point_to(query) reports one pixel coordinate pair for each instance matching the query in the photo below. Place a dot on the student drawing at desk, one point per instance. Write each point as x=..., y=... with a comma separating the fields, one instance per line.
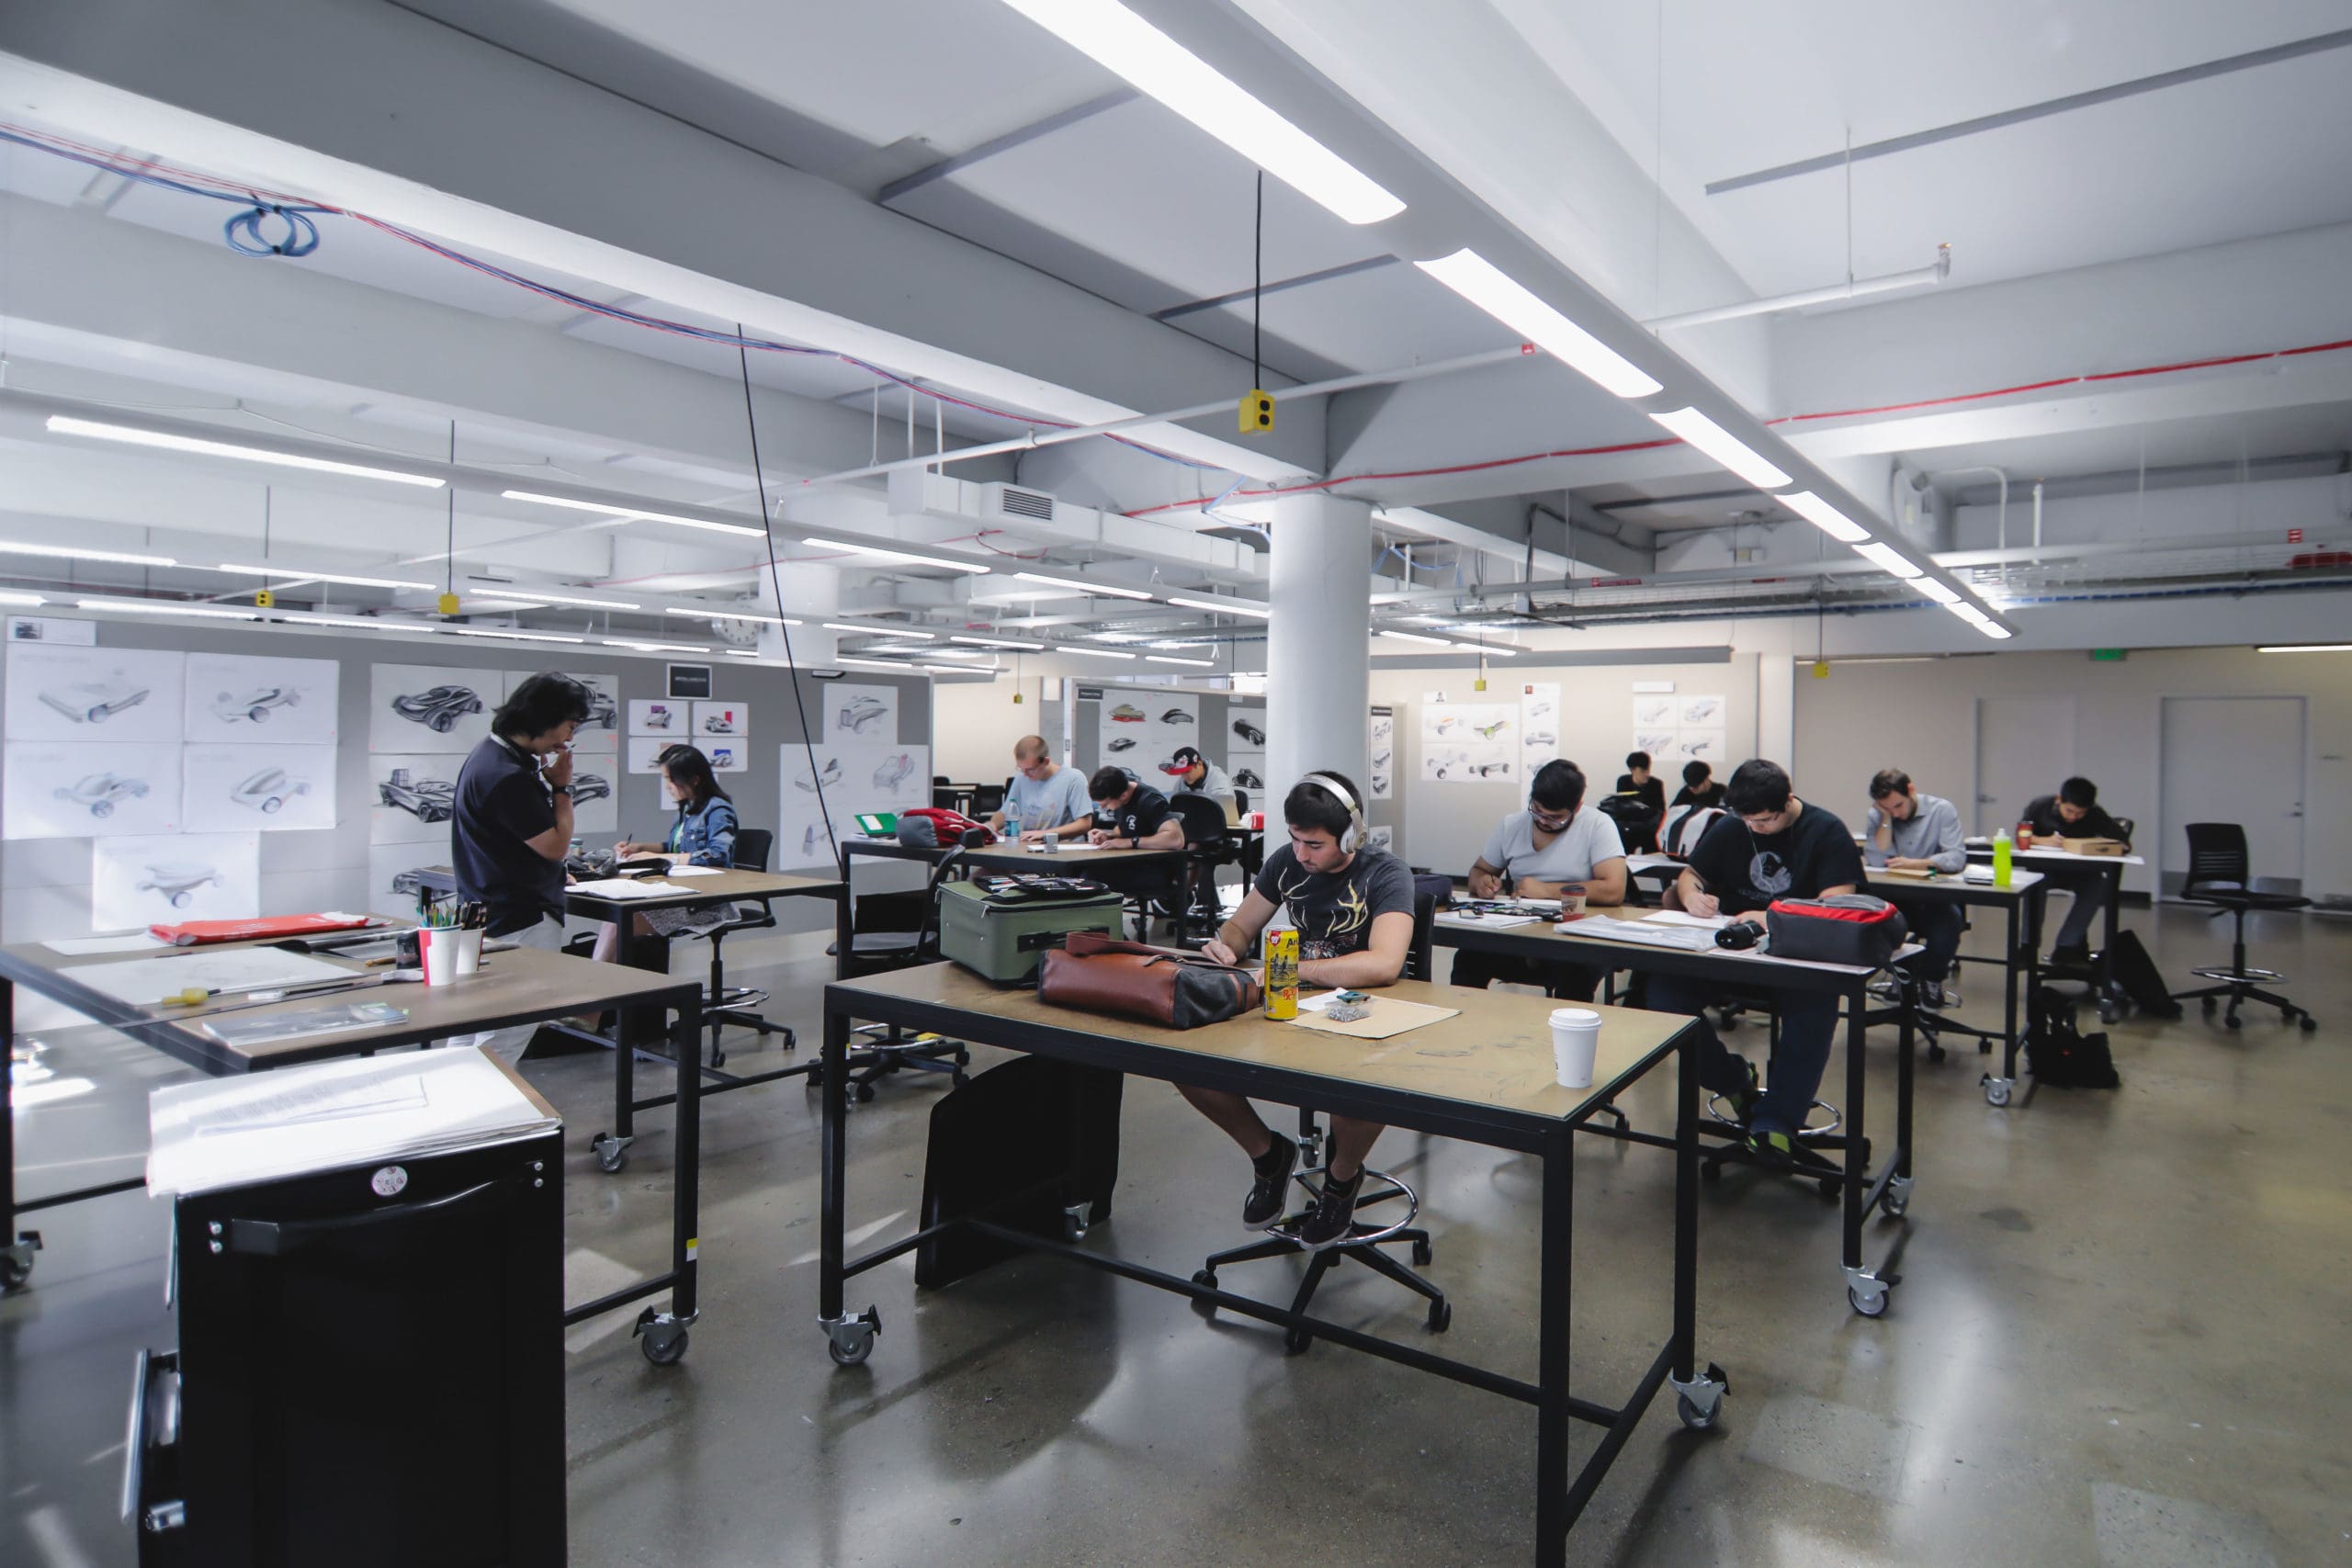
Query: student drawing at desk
x=1353, y=909
x=1909, y=831
x=1558, y=842
x=2074, y=813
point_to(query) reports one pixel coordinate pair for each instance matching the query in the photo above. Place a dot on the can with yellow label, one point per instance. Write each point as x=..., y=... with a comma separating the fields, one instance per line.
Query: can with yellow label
x=1281, y=974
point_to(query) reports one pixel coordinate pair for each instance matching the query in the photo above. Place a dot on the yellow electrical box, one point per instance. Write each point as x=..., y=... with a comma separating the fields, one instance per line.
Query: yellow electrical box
x=264, y=600
x=1257, y=414
x=448, y=604
x=1821, y=670
x=1479, y=684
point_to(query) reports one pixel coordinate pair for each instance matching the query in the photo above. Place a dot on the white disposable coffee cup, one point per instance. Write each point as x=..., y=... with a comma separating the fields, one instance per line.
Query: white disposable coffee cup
x=440, y=944
x=469, y=951
x=1575, y=1035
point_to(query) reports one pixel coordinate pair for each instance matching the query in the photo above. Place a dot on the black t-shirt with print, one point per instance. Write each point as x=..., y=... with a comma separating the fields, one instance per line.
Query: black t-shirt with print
x=1334, y=909
x=1140, y=818
x=1651, y=790
x=1711, y=796
x=1748, y=870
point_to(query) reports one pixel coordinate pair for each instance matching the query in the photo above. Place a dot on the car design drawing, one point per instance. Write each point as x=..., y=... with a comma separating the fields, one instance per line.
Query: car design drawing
x=1176, y=716
x=1539, y=710
x=1121, y=743
x=859, y=713
x=657, y=717
x=809, y=842
x=894, y=771
x=253, y=703
x=590, y=786
x=1380, y=760
x=100, y=791
x=95, y=702
x=1247, y=779
x=1127, y=713
x=1493, y=770
x=439, y=709
x=722, y=757
x=1702, y=710
x=409, y=884
x=1449, y=724
x=1250, y=732
x=1541, y=738
x=428, y=800
x=176, y=881
x=604, y=713
x=719, y=723
x=829, y=774
x=1491, y=730
x=268, y=790
x=1379, y=784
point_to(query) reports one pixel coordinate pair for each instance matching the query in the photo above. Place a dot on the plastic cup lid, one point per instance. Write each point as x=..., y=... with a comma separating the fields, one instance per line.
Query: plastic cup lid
x=1575, y=1017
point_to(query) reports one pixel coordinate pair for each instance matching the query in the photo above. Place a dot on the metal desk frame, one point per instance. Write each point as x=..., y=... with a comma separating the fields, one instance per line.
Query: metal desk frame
x=2020, y=955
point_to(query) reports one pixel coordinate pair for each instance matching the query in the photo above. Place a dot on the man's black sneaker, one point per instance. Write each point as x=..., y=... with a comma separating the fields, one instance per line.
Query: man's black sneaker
x=1937, y=996
x=2076, y=955
x=1267, y=1194
x=1334, y=1211
x=1743, y=1101
x=1775, y=1149
x=1886, y=991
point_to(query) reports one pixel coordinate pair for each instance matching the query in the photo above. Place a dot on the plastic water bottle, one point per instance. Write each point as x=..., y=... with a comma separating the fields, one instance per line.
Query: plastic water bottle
x=2001, y=854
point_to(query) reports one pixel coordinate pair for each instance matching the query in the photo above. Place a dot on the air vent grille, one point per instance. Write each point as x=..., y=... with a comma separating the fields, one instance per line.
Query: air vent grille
x=1031, y=503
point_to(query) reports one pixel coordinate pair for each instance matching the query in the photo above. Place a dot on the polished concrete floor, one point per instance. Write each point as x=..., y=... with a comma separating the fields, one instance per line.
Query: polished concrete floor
x=2121, y=1338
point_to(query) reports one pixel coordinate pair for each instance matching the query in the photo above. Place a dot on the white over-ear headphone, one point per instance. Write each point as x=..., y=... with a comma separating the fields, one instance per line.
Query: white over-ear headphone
x=1354, y=834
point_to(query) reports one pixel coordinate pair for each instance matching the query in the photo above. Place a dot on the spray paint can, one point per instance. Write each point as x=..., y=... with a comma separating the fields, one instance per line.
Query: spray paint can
x=1281, y=974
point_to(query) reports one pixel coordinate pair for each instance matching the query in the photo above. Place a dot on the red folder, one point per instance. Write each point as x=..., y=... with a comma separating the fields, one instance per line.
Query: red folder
x=275, y=928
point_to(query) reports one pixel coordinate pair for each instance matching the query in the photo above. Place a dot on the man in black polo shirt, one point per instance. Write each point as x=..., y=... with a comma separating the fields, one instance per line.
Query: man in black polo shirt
x=511, y=824
x=1130, y=814
x=1772, y=846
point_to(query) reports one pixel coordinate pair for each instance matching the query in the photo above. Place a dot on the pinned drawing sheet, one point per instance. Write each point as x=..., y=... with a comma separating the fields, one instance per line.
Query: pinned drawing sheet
x=145, y=982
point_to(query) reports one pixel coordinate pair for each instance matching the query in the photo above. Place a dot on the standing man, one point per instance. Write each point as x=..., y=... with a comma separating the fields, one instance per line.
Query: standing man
x=2074, y=813
x=1195, y=774
x=1127, y=809
x=1046, y=799
x=1772, y=846
x=511, y=824
x=1551, y=846
x=1353, y=909
x=1909, y=831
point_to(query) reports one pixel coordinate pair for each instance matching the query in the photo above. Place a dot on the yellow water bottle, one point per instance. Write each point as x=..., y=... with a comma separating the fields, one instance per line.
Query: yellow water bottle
x=1281, y=974
x=2001, y=853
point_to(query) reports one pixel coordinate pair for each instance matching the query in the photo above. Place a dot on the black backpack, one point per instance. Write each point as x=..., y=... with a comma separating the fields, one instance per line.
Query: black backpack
x=2061, y=1056
x=1636, y=821
x=2140, y=979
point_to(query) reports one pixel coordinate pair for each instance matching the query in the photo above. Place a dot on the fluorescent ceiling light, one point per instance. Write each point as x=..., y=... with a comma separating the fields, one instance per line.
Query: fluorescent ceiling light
x=1888, y=558
x=1824, y=517
x=324, y=577
x=518, y=637
x=911, y=556
x=1166, y=659
x=1156, y=64
x=156, y=607
x=880, y=631
x=633, y=514
x=1224, y=607
x=948, y=653
x=1969, y=613
x=1493, y=291
x=655, y=647
x=1995, y=630
x=544, y=596
x=134, y=436
x=1091, y=652
x=995, y=642
x=63, y=552
x=361, y=623
x=2306, y=648
x=1486, y=652
x=10, y=598
x=741, y=652
x=955, y=670
x=1415, y=637
x=1937, y=591
x=716, y=614
x=875, y=664
x=1075, y=587
x=1722, y=447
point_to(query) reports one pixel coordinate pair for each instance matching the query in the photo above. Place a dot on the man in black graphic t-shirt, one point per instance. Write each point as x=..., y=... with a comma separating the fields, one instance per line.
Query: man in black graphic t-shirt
x=1130, y=814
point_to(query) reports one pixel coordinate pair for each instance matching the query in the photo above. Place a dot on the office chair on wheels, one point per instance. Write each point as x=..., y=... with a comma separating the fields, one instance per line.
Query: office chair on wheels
x=1364, y=1238
x=2218, y=875
x=870, y=940
x=1208, y=845
x=724, y=1004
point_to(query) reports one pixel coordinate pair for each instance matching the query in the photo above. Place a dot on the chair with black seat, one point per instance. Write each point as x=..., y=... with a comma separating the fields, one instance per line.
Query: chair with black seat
x=1209, y=843
x=2219, y=875
x=988, y=799
x=724, y=1004
x=873, y=939
x=1365, y=1238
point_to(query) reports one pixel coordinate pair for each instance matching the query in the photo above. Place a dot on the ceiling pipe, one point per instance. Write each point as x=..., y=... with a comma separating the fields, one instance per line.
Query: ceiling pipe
x=1852, y=288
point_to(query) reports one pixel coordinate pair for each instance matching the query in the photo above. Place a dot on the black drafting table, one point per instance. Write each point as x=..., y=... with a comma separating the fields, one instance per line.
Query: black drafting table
x=2110, y=874
x=2027, y=890
x=1484, y=1075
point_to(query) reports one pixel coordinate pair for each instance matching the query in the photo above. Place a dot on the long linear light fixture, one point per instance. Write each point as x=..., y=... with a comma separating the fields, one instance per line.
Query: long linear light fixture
x=912, y=558
x=1226, y=607
x=873, y=664
x=66, y=552
x=880, y=631
x=1937, y=591
x=633, y=513
x=131, y=435
x=14, y=598
x=296, y=572
x=1493, y=291
x=1091, y=652
x=1171, y=659
x=359, y=622
x=2305, y=648
x=1086, y=588
x=544, y=596
x=1156, y=64
x=164, y=607
x=1824, y=517
x=1415, y=637
x=716, y=614
x=741, y=652
x=655, y=646
x=998, y=642
x=1724, y=446
x=512, y=636
x=1888, y=559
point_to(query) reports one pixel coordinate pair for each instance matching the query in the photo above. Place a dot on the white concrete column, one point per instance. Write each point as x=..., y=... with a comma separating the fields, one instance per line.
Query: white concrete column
x=811, y=592
x=1318, y=672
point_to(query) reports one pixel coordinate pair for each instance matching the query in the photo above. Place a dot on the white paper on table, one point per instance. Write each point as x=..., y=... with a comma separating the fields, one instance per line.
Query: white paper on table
x=677, y=870
x=81, y=946
x=1318, y=1004
x=1678, y=918
x=621, y=887
x=1487, y=922
x=141, y=981
x=1069, y=846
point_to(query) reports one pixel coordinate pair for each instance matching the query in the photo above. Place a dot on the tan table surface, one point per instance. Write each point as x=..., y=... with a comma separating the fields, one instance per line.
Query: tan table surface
x=1571, y=938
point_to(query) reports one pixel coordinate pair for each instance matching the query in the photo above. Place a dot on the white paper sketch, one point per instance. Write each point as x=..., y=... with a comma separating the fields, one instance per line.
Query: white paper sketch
x=1383, y=837
x=801, y=837
x=665, y=717
x=858, y=713
x=145, y=881
x=118, y=695
x=645, y=750
x=714, y=721
x=1704, y=713
x=1245, y=736
x=728, y=756
x=65, y=791
x=1704, y=746
x=430, y=707
x=1539, y=724
x=595, y=794
x=234, y=698
x=412, y=796
x=1381, y=784
x=1658, y=743
x=246, y=789
x=1174, y=723
x=1654, y=712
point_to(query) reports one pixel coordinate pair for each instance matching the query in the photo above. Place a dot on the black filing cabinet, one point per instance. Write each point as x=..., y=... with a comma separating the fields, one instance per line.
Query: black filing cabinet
x=369, y=1371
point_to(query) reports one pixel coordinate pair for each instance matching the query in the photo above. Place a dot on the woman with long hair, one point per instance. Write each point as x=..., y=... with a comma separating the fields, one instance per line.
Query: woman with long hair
x=703, y=834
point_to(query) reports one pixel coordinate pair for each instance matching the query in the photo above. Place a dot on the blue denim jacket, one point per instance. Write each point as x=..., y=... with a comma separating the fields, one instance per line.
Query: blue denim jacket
x=706, y=837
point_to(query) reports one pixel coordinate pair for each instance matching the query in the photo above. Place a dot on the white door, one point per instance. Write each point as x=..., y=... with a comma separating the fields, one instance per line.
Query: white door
x=2025, y=748
x=2236, y=760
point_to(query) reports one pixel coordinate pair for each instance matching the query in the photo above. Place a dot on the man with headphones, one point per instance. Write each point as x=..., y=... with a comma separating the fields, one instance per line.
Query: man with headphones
x=1353, y=909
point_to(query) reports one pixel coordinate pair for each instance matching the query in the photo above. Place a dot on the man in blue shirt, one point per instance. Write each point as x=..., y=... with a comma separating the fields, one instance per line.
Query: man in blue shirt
x=1045, y=797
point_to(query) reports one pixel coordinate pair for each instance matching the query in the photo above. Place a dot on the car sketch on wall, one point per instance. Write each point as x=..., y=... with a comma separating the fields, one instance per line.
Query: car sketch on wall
x=1250, y=732
x=100, y=791
x=657, y=718
x=1176, y=716
x=176, y=881
x=720, y=723
x=603, y=712
x=268, y=790
x=428, y=800
x=1127, y=713
x=590, y=786
x=438, y=709
x=1120, y=743
x=829, y=774
x=253, y=703
x=95, y=702
x=1248, y=779
x=859, y=712
x=894, y=771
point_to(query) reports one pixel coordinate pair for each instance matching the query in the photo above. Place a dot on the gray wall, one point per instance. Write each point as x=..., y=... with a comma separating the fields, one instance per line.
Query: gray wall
x=45, y=883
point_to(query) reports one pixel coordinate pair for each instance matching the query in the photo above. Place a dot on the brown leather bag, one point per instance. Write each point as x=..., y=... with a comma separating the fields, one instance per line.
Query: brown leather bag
x=1094, y=973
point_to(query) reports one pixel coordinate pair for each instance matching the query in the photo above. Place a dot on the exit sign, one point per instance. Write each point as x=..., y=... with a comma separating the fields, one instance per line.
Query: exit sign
x=2107, y=655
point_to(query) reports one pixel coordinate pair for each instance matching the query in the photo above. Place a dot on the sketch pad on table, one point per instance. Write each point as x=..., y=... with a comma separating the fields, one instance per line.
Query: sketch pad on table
x=1689, y=939
x=1387, y=1017
x=145, y=982
x=622, y=888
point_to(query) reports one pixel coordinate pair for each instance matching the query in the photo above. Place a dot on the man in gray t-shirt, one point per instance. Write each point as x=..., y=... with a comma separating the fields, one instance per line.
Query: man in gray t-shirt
x=1045, y=797
x=1558, y=842
x=1195, y=774
x=1909, y=831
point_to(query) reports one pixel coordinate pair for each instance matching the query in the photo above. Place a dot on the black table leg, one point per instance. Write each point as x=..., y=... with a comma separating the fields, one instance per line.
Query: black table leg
x=16, y=1248
x=2009, y=959
x=685, y=1225
x=848, y=1339
x=1858, y=1157
x=1552, y=1414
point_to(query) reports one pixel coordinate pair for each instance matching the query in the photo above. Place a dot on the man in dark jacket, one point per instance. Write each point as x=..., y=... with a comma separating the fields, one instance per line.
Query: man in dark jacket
x=2074, y=813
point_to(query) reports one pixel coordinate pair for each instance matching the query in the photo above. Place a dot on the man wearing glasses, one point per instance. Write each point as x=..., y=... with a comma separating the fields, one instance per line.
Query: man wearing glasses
x=1772, y=846
x=1047, y=800
x=1553, y=847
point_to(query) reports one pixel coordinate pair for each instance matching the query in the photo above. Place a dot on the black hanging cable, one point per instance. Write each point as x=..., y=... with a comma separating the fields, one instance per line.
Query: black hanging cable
x=1257, y=290
x=792, y=665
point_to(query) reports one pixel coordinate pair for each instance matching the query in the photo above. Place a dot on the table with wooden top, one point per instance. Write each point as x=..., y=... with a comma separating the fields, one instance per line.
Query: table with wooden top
x=1868, y=1287
x=2052, y=858
x=2024, y=903
x=516, y=986
x=1485, y=1075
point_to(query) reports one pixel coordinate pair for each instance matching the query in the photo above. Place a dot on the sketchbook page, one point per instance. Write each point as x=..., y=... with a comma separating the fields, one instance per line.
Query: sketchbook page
x=1680, y=918
x=143, y=982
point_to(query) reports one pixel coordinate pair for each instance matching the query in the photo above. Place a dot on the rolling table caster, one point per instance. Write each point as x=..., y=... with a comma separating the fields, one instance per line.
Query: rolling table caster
x=16, y=1261
x=1867, y=1293
x=1997, y=1091
x=660, y=1337
x=1896, y=1199
x=612, y=1152
x=1076, y=1218
x=849, y=1340
x=1701, y=1401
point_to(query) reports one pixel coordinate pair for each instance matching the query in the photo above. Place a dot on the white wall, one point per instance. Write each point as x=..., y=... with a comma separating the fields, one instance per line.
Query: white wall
x=973, y=728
